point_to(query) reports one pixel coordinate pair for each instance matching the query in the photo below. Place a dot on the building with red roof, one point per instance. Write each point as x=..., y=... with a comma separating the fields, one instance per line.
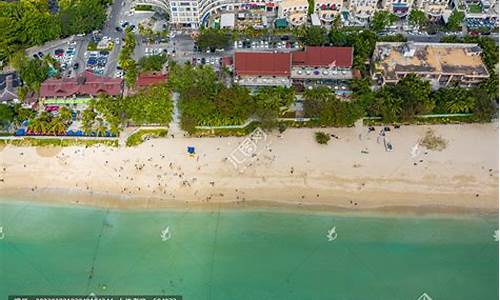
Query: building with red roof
x=145, y=80
x=262, y=68
x=313, y=66
x=329, y=66
x=86, y=84
x=323, y=57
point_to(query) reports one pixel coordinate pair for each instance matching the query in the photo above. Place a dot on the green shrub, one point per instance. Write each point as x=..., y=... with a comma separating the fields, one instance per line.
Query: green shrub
x=322, y=138
x=140, y=136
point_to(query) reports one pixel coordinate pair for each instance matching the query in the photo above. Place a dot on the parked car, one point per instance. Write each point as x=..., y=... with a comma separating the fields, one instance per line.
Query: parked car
x=76, y=66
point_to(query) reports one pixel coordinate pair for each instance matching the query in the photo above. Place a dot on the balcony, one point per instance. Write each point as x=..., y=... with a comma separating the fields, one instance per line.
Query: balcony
x=321, y=73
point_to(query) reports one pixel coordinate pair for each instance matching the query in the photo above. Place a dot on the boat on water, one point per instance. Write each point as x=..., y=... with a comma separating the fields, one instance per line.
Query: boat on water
x=165, y=234
x=2, y=234
x=332, y=234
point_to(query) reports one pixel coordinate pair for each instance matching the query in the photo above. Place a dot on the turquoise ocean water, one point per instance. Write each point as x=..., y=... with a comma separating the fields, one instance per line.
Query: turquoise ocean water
x=239, y=254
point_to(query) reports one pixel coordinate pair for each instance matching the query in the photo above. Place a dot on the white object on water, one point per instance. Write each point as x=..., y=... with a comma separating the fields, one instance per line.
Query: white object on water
x=165, y=234
x=2, y=234
x=414, y=151
x=332, y=234
x=495, y=236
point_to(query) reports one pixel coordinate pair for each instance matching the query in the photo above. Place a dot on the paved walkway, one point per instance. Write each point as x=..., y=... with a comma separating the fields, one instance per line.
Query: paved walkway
x=175, y=127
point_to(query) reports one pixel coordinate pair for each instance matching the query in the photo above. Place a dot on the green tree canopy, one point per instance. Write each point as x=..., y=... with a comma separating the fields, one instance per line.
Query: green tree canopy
x=382, y=19
x=314, y=36
x=455, y=20
x=213, y=39
x=152, y=62
x=418, y=18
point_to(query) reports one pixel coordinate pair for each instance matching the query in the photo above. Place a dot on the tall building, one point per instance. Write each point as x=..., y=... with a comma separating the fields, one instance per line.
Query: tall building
x=193, y=13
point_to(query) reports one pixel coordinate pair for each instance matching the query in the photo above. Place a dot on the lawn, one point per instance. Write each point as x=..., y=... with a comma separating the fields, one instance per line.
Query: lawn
x=140, y=136
x=475, y=8
x=32, y=142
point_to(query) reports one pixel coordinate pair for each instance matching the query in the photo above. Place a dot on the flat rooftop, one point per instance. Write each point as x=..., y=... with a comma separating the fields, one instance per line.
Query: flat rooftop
x=431, y=58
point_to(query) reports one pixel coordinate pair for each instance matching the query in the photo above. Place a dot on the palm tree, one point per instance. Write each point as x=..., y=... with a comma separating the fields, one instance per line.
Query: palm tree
x=57, y=126
x=35, y=125
x=460, y=104
x=66, y=115
x=101, y=129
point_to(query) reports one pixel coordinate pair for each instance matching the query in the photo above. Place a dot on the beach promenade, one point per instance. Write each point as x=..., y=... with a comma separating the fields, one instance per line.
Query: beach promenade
x=352, y=172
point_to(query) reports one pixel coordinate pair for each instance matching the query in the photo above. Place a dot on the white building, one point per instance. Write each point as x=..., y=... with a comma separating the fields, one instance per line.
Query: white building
x=433, y=8
x=400, y=8
x=193, y=13
x=295, y=11
x=327, y=10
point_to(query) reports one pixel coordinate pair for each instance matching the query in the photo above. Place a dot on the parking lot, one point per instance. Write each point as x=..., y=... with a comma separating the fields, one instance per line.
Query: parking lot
x=69, y=53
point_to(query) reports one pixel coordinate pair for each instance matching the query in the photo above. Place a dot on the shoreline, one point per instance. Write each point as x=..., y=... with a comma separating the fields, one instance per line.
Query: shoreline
x=353, y=173
x=74, y=199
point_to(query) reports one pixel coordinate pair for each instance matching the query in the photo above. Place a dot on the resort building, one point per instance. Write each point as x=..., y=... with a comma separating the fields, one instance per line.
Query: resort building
x=362, y=10
x=327, y=10
x=8, y=87
x=80, y=89
x=314, y=66
x=400, y=8
x=294, y=11
x=326, y=66
x=434, y=9
x=257, y=69
x=441, y=63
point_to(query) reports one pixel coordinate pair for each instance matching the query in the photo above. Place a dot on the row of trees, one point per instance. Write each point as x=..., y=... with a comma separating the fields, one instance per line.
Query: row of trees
x=419, y=18
x=46, y=123
x=322, y=104
x=126, y=60
x=28, y=23
x=402, y=102
x=205, y=101
x=213, y=39
x=413, y=96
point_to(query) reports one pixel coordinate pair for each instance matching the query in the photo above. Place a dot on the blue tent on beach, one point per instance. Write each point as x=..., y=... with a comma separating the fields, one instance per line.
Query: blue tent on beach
x=21, y=132
x=191, y=150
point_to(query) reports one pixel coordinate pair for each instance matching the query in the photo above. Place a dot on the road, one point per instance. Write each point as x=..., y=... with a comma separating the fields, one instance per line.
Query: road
x=113, y=21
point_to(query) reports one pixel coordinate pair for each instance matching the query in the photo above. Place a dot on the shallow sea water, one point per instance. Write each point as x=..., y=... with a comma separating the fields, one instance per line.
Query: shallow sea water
x=244, y=254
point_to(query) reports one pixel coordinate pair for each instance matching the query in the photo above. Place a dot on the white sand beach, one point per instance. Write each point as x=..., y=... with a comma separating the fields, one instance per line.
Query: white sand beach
x=351, y=172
